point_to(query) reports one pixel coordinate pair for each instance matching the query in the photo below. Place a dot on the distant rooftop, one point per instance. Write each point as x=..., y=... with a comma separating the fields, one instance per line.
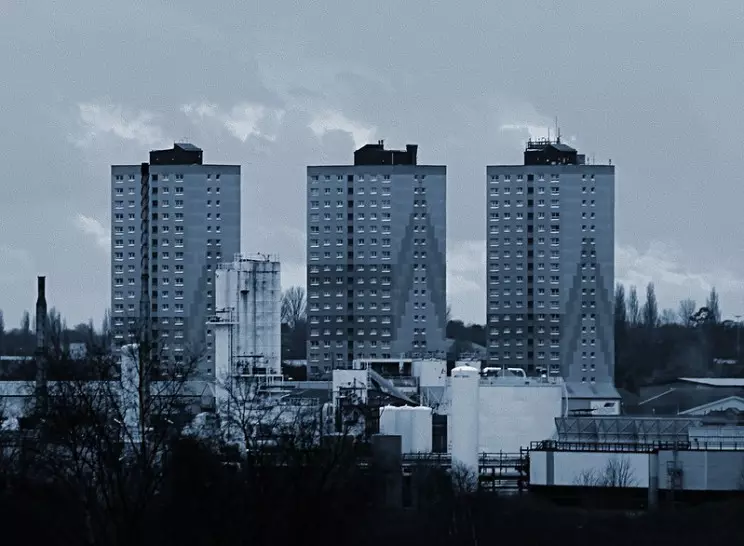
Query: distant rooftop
x=715, y=381
x=551, y=152
x=376, y=154
x=182, y=153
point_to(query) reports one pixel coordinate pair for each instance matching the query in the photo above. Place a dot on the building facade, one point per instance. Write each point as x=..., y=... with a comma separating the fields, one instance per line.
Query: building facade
x=550, y=264
x=246, y=325
x=173, y=220
x=376, y=258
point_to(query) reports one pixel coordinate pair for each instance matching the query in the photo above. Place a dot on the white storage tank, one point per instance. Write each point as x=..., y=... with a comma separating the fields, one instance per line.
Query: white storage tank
x=404, y=418
x=464, y=413
x=422, y=430
x=389, y=420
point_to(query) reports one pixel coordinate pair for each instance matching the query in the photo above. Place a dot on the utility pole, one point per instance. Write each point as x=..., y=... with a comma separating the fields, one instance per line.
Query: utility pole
x=738, y=345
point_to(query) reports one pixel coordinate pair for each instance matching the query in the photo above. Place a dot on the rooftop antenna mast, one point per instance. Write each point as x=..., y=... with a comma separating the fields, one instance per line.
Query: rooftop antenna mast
x=557, y=131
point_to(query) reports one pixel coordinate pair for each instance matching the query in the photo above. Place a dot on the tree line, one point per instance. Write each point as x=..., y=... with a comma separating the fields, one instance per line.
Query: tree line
x=656, y=345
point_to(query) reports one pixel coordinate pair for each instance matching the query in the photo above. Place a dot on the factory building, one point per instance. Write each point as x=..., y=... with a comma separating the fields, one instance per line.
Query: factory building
x=376, y=252
x=173, y=220
x=550, y=269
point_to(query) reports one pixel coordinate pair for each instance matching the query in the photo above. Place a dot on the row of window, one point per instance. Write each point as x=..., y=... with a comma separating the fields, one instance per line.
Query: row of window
x=178, y=190
x=178, y=216
x=314, y=243
x=385, y=229
x=384, y=332
x=519, y=203
x=372, y=306
x=131, y=281
x=360, y=217
x=519, y=355
x=160, y=177
x=360, y=177
x=385, y=204
x=361, y=267
x=119, y=307
x=519, y=228
x=540, y=177
x=119, y=295
x=341, y=190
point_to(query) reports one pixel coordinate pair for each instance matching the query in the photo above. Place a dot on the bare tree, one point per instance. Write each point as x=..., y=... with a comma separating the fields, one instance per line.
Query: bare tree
x=668, y=316
x=650, y=308
x=294, y=306
x=621, y=311
x=587, y=478
x=26, y=323
x=686, y=311
x=634, y=311
x=107, y=437
x=617, y=472
x=714, y=306
x=448, y=313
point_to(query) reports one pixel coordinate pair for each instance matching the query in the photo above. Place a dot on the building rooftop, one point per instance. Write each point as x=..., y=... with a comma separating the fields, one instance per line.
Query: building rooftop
x=715, y=381
x=376, y=154
x=551, y=152
x=603, y=391
x=182, y=153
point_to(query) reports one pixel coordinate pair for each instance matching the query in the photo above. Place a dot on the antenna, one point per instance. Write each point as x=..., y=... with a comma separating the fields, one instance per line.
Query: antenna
x=557, y=131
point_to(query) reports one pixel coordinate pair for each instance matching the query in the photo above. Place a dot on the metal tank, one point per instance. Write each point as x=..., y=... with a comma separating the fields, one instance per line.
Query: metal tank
x=465, y=386
x=422, y=430
x=405, y=428
x=389, y=421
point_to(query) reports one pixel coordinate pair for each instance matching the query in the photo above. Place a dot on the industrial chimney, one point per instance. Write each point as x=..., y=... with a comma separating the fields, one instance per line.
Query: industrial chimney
x=41, y=345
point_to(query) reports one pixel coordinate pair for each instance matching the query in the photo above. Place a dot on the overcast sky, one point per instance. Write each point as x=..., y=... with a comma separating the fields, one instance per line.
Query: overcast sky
x=275, y=85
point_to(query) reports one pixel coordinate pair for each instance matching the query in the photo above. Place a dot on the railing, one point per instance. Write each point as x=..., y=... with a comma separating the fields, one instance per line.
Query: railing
x=625, y=447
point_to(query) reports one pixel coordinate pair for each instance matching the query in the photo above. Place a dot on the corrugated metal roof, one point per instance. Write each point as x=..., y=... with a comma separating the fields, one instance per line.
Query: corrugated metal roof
x=592, y=390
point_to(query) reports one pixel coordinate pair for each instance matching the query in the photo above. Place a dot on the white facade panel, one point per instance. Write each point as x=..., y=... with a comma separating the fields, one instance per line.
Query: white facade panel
x=514, y=415
x=589, y=469
x=430, y=373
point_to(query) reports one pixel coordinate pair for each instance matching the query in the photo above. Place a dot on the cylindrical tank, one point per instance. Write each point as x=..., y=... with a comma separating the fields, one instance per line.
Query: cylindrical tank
x=464, y=414
x=405, y=427
x=389, y=421
x=422, y=430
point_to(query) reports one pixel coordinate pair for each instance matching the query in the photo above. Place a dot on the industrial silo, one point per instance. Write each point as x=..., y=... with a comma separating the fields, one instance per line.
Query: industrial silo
x=464, y=414
x=404, y=419
x=422, y=430
x=389, y=421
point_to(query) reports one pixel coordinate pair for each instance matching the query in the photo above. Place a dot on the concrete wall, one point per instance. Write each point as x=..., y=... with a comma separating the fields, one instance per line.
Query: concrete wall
x=513, y=416
x=585, y=468
x=711, y=470
x=704, y=470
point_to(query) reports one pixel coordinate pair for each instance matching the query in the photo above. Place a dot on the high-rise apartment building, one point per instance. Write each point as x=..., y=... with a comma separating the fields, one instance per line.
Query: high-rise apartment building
x=173, y=220
x=376, y=258
x=550, y=265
